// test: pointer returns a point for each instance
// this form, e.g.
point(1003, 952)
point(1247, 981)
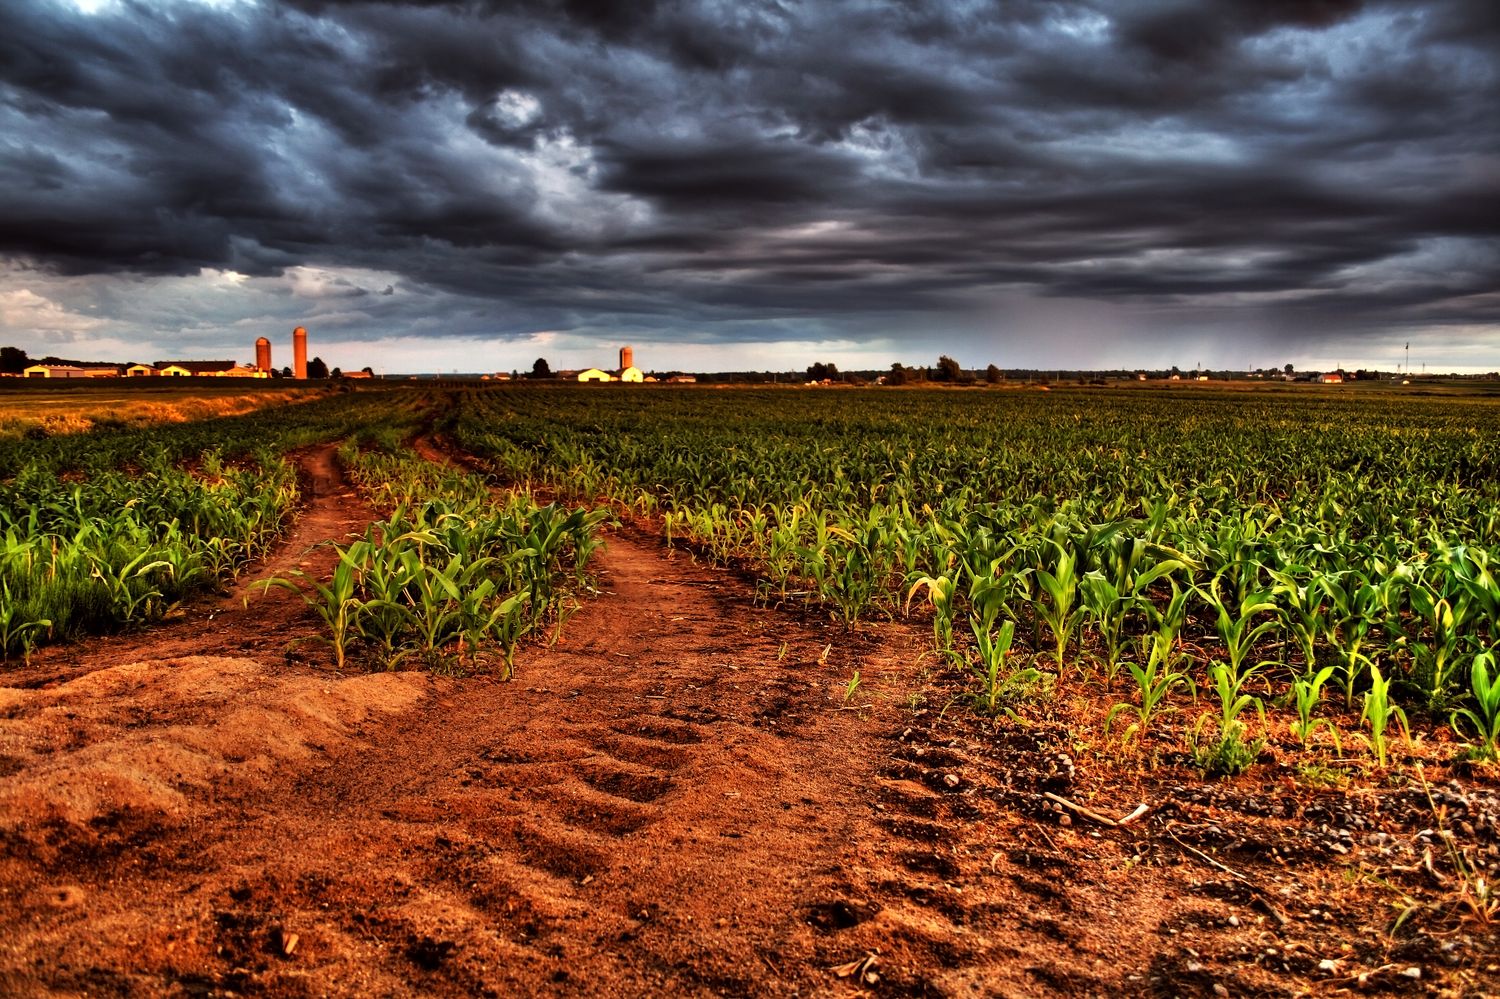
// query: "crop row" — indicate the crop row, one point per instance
point(457, 573)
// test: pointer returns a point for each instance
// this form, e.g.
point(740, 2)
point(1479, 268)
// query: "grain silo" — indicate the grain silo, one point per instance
point(263, 355)
point(299, 352)
point(627, 358)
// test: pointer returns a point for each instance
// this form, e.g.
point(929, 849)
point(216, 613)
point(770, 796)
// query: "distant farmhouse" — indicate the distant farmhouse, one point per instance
point(195, 369)
point(72, 371)
point(626, 372)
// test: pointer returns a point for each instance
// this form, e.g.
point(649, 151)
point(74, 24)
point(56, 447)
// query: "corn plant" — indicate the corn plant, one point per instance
point(992, 650)
point(132, 594)
point(1354, 609)
point(1483, 718)
point(1235, 624)
point(1168, 620)
point(1120, 586)
point(940, 590)
point(506, 624)
point(1379, 712)
point(852, 687)
point(336, 601)
point(1153, 683)
point(1229, 687)
point(1306, 693)
point(1303, 608)
point(1435, 649)
point(1061, 610)
point(17, 634)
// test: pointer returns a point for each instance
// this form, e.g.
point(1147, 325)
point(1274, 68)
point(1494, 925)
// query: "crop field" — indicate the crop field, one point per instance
point(608, 690)
point(32, 410)
point(1229, 544)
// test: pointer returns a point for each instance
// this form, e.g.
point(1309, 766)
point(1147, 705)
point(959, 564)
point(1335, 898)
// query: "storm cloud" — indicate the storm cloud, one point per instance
point(1281, 175)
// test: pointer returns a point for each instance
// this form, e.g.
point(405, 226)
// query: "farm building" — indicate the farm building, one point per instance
point(626, 372)
point(207, 369)
point(190, 369)
point(141, 371)
point(1332, 378)
point(55, 371)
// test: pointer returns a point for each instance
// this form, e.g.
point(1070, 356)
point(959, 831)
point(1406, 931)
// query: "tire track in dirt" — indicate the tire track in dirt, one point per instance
point(591, 804)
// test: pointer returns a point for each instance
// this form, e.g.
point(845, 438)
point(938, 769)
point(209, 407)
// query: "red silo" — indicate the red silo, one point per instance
point(627, 358)
point(299, 352)
point(263, 354)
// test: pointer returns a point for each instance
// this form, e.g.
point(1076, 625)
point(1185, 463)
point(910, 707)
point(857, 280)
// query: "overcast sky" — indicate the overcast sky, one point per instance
point(743, 184)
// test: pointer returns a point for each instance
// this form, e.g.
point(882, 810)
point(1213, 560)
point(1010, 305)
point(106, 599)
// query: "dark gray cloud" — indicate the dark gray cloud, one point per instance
point(760, 168)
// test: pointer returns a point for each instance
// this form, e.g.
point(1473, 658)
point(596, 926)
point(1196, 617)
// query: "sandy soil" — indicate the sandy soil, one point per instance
point(673, 799)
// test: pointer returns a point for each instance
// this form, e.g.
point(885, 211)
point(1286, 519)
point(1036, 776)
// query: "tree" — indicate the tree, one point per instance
point(316, 368)
point(1288, 368)
point(336, 373)
point(947, 370)
point(368, 370)
point(286, 372)
point(993, 375)
point(818, 372)
point(13, 360)
point(541, 369)
point(898, 375)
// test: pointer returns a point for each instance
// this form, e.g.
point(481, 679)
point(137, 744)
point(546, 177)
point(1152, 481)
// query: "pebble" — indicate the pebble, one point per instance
point(1234, 920)
point(1413, 972)
point(1220, 990)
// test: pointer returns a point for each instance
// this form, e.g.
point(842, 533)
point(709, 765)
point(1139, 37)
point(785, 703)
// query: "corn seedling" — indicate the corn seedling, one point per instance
point(992, 650)
point(336, 602)
point(940, 596)
point(17, 635)
point(1378, 714)
point(1153, 684)
point(1483, 718)
point(1235, 624)
point(1354, 609)
point(1436, 647)
point(851, 688)
point(1306, 693)
point(1061, 610)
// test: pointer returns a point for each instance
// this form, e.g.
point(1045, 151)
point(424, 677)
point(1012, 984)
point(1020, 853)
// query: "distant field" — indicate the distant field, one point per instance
point(60, 408)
